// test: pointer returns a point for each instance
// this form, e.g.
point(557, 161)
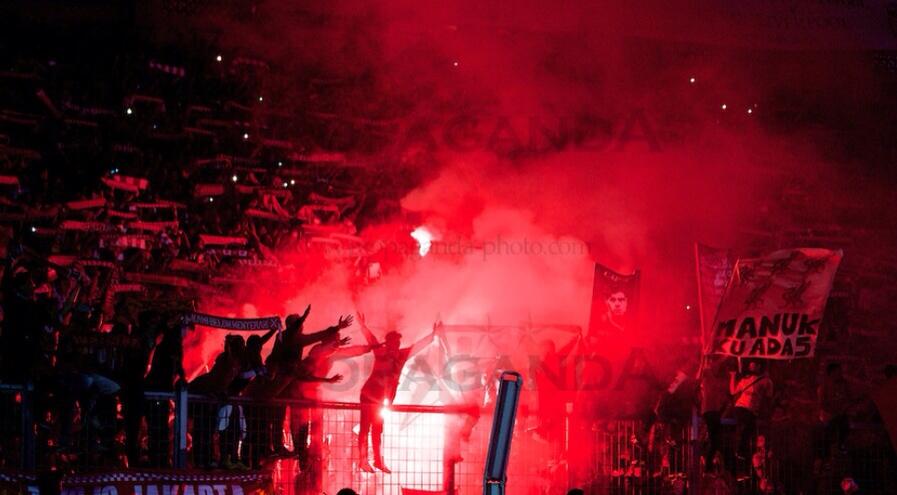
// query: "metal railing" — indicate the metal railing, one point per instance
point(16, 427)
point(312, 447)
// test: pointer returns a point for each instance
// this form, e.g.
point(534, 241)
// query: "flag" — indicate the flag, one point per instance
point(615, 298)
point(773, 305)
point(714, 269)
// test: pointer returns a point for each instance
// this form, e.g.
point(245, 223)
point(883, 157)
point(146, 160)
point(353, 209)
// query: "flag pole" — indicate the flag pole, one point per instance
point(700, 309)
point(694, 469)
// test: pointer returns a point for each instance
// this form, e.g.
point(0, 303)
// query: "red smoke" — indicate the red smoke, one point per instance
point(533, 142)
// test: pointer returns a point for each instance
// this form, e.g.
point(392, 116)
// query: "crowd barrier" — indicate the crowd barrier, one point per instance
point(311, 447)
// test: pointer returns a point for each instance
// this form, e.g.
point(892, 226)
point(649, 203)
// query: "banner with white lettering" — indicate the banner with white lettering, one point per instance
point(240, 324)
point(167, 483)
point(773, 305)
point(16, 483)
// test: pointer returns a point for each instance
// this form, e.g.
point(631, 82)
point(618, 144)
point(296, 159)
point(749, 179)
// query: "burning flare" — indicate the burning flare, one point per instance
point(424, 239)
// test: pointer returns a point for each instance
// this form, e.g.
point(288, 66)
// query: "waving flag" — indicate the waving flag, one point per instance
point(772, 307)
point(714, 269)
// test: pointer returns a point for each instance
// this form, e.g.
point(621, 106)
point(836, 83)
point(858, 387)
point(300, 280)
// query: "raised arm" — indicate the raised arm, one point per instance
point(313, 378)
point(267, 336)
point(352, 351)
point(368, 335)
point(424, 342)
point(344, 322)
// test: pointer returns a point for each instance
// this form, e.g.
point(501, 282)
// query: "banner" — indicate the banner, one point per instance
point(128, 242)
point(772, 307)
point(186, 266)
point(225, 252)
point(714, 269)
point(98, 263)
point(62, 259)
point(156, 205)
point(126, 183)
point(614, 302)
point(122, 288)
point(343, 203)
point(244, 189)
point(9, 180)
point(242, 324)
point(121, 214)
point(173, 70)
point(84, 226)
point(322, 157)
point(267, 215)
point(128, 482)
point(210, 189)
point(160, 279)
point(14, 483)
point(258, 263)
point(221, 240)
point(153, 226)
point(86, 204)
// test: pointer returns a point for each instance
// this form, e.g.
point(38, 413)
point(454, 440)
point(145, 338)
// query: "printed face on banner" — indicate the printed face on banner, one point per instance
point(617, 303)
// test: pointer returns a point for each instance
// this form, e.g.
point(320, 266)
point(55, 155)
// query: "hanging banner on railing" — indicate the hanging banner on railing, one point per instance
point(13, 483)
point(242, 324)
point(167, 483)
point(772, 307)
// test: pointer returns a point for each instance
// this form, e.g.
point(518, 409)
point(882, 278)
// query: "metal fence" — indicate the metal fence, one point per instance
point(312, 448)
point(16, 428)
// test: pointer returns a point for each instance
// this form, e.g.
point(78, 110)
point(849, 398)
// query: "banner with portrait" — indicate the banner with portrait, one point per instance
point(615, 301)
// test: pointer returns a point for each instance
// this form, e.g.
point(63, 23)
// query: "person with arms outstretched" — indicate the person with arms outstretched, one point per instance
point(380, 388)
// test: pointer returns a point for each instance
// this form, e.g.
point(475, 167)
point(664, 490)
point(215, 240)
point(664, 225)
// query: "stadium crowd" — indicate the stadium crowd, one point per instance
point(125, 200)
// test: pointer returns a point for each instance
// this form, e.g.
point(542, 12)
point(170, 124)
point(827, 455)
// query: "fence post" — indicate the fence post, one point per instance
point(180, 426)
point(694, 453)
point(450, 450)
point(28, 451)
point(179, 454)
